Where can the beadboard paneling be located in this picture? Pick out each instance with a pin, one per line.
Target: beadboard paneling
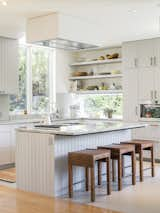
(42, 163)
(35, 162)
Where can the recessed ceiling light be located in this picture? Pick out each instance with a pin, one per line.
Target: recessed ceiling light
(4, 3)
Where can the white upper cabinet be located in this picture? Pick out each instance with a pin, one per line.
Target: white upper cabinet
(8, 66)
(130, 83)
(157, 84)
(146, 84)
(130, 92)
(144, 58)
(146, 53)
(157, 52)
(130, 59)
(142, 54)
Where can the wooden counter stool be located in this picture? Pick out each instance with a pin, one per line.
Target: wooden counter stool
(87, 158)
(117, 153)
(140, 146)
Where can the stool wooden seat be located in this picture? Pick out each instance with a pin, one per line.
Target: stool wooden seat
(140, 146)
(117, 153)
(87, 158)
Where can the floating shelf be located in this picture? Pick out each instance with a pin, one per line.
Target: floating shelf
(96, 77)
(99, 92)
(107, 61)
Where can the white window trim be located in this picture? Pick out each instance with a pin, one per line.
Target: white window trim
(29, 80)
(51, 78)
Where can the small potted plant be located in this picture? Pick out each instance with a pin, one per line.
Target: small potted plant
(108, 112)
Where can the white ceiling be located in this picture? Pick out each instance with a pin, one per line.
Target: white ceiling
(122, 19)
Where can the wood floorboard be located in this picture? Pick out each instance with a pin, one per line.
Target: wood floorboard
(8, 175)
(16, 201)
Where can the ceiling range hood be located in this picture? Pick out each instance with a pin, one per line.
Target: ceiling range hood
(62, 31)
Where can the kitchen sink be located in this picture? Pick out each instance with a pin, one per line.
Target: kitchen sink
(56, 125)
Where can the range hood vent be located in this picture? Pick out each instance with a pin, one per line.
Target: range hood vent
(61, 31)
(59, 43)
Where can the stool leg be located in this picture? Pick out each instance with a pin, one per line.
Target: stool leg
(113, 171)
(120, 172)
(122, 166)
(99, 172)
(70, 179)
(87, 178)
(133, 168)
(108, 176)
(141, 164)
(92, 184)
(152, 161)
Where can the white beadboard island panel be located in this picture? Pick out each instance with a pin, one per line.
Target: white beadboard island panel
(35, 162)
(42, 165)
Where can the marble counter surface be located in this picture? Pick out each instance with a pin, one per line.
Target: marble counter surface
(20, 121)
(79, 127)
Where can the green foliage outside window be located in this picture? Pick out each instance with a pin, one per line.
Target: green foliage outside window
(18, 102)
(40, 86)
(39, 73)
(98, 104)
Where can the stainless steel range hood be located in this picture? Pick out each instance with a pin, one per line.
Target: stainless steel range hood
(61, 31)
(60, 43)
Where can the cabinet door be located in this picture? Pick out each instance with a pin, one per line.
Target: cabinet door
(146, 84)
(130, 86)
(146, 51)
(149, 133)
(157, 52)
(5, 145)
(157, 84)
(8, 66)
(13, 138)
(3, 75)
(12, 66)
(129, 53)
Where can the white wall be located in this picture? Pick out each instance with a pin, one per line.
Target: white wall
(63, 59)
(63, 98)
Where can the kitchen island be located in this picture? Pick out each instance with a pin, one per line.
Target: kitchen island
(41, 152)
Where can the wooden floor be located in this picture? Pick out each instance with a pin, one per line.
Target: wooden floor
(15, 201)
(8, 175)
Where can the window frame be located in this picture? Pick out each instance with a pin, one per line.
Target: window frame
(51, 77)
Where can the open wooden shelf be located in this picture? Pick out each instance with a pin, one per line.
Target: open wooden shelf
(107, 61)
(96, 77)
(98, 92)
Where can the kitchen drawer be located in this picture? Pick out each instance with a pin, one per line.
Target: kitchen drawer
(150, 133)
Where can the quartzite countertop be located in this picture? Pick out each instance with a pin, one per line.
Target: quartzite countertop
(84, 127)
(42, 154)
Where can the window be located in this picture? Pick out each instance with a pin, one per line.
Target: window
(101, 106)
(40, 80)
(18, 103)
(34, 71)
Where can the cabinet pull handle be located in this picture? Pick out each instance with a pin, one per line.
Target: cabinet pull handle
(151, 94)
(136, 110)
(135, 62)
(155, 61)
(151, 61)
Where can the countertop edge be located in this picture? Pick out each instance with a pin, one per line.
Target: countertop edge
(54, 132)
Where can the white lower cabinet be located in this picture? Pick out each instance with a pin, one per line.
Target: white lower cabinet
(8, 142)
(5, 145)
(151, 132)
